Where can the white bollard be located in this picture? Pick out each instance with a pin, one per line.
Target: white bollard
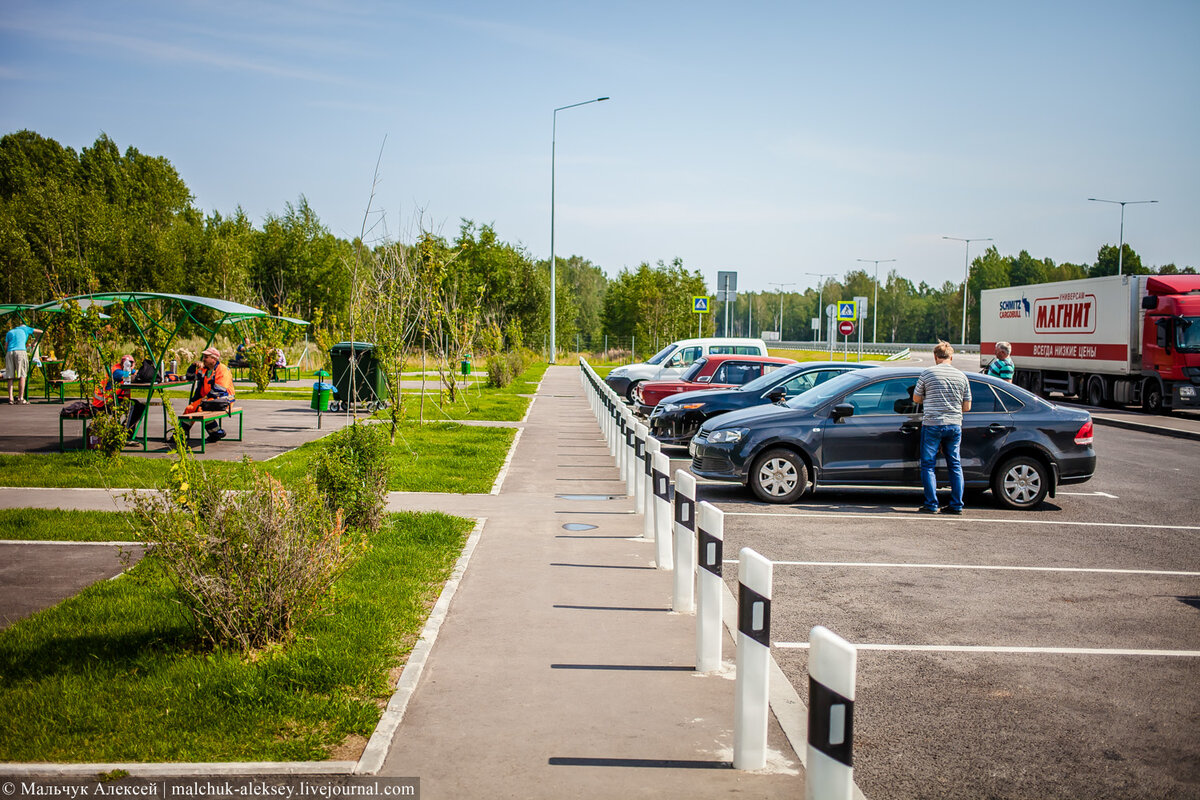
(832, 664)
(751, 702)
(684, 597)
(639, 481)
(661, 481)
(647, 478)
(710, 589)
(630, 464)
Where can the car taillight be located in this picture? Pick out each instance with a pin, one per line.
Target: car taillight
(1085, 433)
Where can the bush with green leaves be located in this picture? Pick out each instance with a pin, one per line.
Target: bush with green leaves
(352, 471)
(108, 427)
(249, 566)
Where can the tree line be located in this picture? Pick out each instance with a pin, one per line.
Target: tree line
(105, 220)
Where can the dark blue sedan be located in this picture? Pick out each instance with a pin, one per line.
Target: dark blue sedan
(863, 429)
(675, 420)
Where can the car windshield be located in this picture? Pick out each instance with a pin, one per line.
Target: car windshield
(1187, 334)
(824, 392)
(693, 370)
(658, 357)
(765, 380)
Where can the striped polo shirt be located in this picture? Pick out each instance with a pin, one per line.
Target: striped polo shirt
(944, 388)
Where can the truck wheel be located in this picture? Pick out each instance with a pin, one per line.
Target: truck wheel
(1095, 391)
(1152, 397)
(1020, 483)
(779, 476)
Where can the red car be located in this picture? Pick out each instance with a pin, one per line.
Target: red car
(710, 372)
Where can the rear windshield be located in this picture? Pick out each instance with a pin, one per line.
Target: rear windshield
(693, 370)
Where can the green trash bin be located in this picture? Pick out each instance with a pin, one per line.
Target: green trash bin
(466, 365)
(321, 394)
(370, 384)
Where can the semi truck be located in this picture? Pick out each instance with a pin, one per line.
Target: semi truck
(1116, 340)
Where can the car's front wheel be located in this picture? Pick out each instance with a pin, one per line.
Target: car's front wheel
(629, 392)
(779, 476)
(1021, 482)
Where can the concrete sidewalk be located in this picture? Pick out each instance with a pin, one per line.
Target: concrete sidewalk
(560, 670)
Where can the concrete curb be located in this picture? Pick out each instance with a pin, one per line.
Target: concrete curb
(1145, 427)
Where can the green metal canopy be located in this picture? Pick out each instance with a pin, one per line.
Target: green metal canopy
(188, 305)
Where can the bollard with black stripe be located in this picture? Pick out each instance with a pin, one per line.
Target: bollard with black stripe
(832, 665)
(661, 487)
(647, 479)
(710, 588)
(683, 599)
(641, 465)
(751, 701)
(630, 457)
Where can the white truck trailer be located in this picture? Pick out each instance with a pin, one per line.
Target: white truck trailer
(1121, 339)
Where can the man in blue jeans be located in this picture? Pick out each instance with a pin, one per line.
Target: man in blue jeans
(945, 394)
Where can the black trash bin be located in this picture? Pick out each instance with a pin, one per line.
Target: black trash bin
(370, 386)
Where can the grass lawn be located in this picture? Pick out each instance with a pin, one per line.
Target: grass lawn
(53, 525)
(113, 674)
(437, 457)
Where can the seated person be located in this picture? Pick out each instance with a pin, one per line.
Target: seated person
(239, 356)
(214, 382)
(112, 390)
(279, 362)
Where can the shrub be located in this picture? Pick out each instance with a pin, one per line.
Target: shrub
(108, 427)
(251, 565)
(499, 371)
(352, 472)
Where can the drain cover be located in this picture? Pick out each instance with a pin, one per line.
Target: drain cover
(579, 526)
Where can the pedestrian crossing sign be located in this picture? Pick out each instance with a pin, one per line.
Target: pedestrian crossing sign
(699, 305)
(847, 310)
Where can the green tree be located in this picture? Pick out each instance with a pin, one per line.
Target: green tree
(1107, 262)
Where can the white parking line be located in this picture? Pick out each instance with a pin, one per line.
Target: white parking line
(889, 565)
(973, 520)
(954, 648)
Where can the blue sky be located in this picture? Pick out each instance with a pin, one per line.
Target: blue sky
(774, 139)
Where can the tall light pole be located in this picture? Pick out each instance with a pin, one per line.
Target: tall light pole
(780, 285)
(875, 307)
(966, 275)
(553, 141)
(1121, 246)
(820, 298)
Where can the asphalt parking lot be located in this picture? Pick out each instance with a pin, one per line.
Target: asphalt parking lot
(1051, 653)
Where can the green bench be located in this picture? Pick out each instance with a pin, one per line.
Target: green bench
(203, 417)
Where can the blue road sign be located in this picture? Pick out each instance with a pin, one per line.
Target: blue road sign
(699, 305)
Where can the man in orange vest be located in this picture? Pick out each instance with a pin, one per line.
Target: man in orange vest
(216, 384)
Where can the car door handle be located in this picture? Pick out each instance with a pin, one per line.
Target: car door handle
(908, 427)
(996, 427)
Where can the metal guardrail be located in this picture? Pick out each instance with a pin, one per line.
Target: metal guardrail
(888, 348)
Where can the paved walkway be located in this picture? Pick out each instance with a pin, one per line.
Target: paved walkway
(560, 670)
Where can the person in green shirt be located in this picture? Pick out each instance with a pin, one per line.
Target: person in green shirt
(1002, 366)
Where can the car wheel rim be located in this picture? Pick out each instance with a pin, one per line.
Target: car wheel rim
(1022, 484)
(777, 477)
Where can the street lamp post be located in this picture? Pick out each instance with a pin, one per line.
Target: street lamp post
(875, 307)
(780, 285)
(966, 276)
(1121, 246)
(821, 299)
(553, 142)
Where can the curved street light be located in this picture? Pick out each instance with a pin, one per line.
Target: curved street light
(553, 140)
(1121, 246)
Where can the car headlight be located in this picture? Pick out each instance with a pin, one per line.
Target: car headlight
(669, 407)
(619, 372)
(727, 435)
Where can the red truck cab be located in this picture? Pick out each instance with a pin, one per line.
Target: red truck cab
(1171, 337)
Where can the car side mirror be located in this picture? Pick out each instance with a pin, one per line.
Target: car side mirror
(842, 410)
(777, 395)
